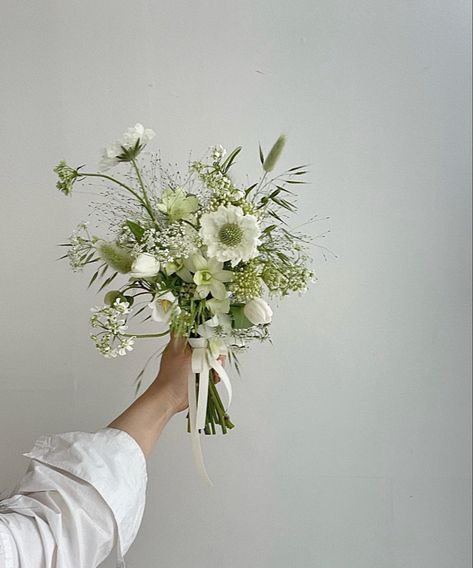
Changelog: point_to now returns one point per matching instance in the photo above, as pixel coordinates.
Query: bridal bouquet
(194, 252)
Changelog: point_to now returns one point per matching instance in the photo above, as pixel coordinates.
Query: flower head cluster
(213, 178)
(217, 152)
(111, 339)
(80, 247)
(169, 244)
(282, 280)
(246, 282)
(67, 176)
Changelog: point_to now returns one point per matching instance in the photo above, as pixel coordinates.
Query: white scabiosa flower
(127, 148)
(257, 311)
(145, 265)
(230, 234)
(163, 306)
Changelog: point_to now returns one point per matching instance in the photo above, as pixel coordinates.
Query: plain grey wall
(352, 446)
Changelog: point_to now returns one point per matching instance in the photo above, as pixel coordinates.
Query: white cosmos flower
(258, 311)
(135, 134)
(163, 306)
(209, 276)
(230, 234)
(145, 265)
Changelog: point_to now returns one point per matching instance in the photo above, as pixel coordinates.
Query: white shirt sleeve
(82, 494)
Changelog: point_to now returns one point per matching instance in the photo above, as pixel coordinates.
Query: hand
(174, 372)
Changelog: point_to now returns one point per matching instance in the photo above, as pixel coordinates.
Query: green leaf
(248, 190)
(229, 161)
(240, 321)
(93, 279)
(285, 190)
(136, 229)
(108, 281)
(261, 155)
(297, 168)
(269, 229)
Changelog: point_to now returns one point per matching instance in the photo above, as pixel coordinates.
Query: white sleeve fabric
(83, 493)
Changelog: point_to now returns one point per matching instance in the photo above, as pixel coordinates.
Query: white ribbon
(205, 355)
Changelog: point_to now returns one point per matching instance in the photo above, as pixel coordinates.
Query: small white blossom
(135, 137)
(217, 152)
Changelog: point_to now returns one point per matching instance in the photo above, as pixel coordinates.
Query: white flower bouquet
(198, 252)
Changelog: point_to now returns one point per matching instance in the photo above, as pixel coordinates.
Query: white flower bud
(258, 311)
(144, 266)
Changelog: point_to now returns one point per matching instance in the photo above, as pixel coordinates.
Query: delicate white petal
(218, 290)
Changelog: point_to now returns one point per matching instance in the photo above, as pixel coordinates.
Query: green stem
(143, 189)
(138, 335)
(210, 415)
(121, 184)
(218, 405)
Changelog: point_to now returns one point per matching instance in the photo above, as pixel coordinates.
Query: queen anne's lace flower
(66, 177)
(128, 147)
(230, 234)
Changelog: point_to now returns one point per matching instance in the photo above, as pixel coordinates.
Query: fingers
(215, 375)
(177, 343)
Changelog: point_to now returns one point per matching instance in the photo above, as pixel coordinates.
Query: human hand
(174, 372)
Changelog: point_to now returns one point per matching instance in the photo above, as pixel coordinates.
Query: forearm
(146, 418)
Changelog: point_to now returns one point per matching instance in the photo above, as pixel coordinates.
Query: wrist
(164, 399)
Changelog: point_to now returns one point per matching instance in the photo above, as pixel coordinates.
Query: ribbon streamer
(204, 358)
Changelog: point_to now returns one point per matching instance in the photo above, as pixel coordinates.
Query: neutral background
(352, 445)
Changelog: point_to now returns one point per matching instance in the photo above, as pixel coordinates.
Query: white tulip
(144, 266)
(258, 311)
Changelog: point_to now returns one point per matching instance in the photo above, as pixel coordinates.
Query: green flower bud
(274, 153)
(115, 256)
(111, 296)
